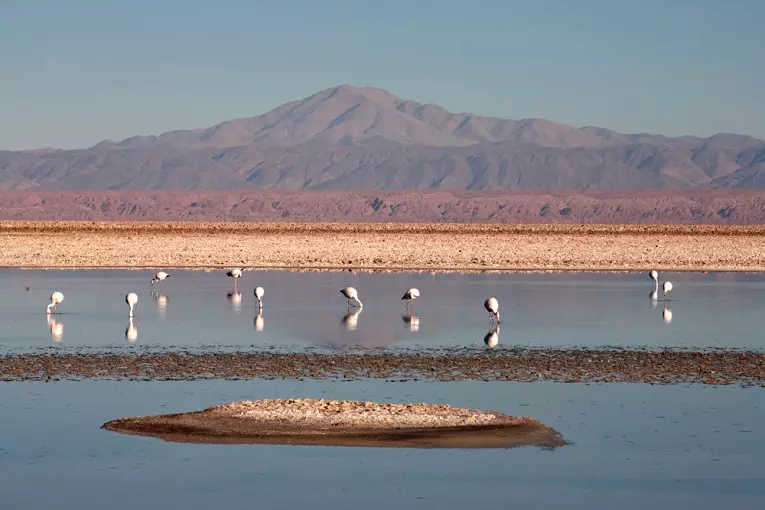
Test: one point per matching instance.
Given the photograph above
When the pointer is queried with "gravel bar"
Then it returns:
(715, 367)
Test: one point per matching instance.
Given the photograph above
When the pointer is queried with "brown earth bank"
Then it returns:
(715, 367)
(734, 207)
(343, 423)
(381, 246)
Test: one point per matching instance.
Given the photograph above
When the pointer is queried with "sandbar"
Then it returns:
(343, 423)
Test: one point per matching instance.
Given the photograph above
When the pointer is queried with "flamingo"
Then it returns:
(492, 306)
(492, 337)
(235, 273)
(132, 300)
(410, 296)
(655, 292)
(159, 277)
(259, 296)
(351, 294)
(55, 299)
(667, 288)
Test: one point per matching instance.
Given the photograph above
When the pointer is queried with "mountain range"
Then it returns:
(352, 138)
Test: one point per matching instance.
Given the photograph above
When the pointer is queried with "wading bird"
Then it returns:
(55, 299)
(655, 292)
(351, 294)
(159, 277)
(492, 306)
(259, 296)
(410, 296)
(667, 288)
(235, 274)
(132, 300)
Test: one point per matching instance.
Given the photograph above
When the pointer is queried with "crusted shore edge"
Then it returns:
(343, 423)
(713, 367)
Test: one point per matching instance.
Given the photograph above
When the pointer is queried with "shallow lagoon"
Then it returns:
(305, 310)
(632, 446)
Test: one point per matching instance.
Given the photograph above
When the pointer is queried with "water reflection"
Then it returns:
(667, 314)
(492, 337)
(56, 329)
(235, 297)
(259, 321)
(351, 319)
(131, 333)
(161, 301)
(413, 321)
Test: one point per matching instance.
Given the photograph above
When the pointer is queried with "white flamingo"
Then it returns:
(235, 274)
(132, 300)
(410, 296)
(655, 292)
(259, 292)
(55, 299)
(351, 294)
(492, 337)
(161, 276)
(667, 288)
(492, 306)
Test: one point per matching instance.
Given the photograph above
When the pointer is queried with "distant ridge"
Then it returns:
(349, 137)
(734, 207)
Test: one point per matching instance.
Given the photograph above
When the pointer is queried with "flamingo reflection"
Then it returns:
(161, 301)
(413, 321)
(236, 300)
(259, 320)
(666, 314)
(131, 332)
(351, 319)
(56, 329)
(492, 337)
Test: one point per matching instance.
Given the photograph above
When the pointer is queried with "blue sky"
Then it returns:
(73, 73)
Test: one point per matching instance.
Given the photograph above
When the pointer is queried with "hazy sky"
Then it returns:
(75, 72)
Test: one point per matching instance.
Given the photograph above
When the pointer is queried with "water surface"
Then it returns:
(305, 310)
(632, 447)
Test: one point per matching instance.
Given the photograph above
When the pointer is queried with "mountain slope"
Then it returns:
(362, 137)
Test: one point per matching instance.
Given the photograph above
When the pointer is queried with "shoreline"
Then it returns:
(379, 247)
(570, 365)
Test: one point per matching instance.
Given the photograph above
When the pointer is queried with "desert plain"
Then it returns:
(380, 246)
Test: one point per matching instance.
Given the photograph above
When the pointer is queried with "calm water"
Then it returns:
(302, 310)
(632, 447)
